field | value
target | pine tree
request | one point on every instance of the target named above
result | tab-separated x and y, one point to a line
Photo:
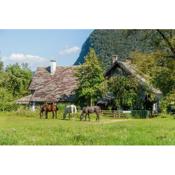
90	76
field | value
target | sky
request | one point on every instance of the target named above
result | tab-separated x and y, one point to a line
38	47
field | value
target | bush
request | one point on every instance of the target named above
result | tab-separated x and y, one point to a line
140	113
61	106
165	115
26	113
168	101
8	106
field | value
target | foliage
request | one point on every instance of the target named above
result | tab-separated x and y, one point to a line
90	76
158	68
169	99
1	65
149	60
18	79
14	84
6	100
123	42
140	113
124	89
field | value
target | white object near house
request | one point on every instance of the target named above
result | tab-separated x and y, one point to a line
53	66
33	106
155	108
114	58
127	112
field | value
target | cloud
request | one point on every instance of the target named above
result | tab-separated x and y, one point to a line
32	60
69	50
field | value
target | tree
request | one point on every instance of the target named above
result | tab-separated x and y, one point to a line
123	42
1	65
5	99
158	68
124	90
168	41
90	76
14	83
19	78
168	100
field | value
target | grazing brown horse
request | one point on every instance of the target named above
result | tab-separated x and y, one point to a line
86	111
49	108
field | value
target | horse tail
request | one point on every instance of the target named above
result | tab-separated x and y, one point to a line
75	109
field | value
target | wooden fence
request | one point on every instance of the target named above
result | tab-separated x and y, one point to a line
115	113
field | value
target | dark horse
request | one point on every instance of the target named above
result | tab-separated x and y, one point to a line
86	111
49	108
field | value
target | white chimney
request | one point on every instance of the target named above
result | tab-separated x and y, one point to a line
53	66
114	58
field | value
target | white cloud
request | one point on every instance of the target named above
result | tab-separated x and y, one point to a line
32	60
69	50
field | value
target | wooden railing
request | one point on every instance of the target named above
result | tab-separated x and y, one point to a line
114	113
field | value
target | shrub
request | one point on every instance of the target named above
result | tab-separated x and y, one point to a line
8	106
140	113
167	101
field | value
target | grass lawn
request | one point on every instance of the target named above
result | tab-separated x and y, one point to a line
28	129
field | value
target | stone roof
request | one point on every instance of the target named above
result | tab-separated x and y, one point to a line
57	87
24	100
131	70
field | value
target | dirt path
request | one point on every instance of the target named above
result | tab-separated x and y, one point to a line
114	121
108	121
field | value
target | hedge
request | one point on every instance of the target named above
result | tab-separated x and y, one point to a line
140	113
8	106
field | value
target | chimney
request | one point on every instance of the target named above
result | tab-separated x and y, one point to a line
114	58
53	66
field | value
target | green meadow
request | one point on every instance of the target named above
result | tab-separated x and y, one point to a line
26	128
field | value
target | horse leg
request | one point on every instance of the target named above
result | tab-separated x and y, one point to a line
85	116
41	113
46	114
53	115
89	116
56	114
64	116
69	116
97	118
81	116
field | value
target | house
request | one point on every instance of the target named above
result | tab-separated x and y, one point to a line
58	84
125	68
51	84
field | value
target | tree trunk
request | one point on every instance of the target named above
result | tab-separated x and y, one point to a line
91	101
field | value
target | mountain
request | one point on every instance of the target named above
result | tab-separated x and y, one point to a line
122	43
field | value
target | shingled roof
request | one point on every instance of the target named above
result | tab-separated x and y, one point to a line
57	87
24	100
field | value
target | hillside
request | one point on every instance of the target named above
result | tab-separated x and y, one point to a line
121	42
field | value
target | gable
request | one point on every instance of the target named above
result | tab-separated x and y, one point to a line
125	68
